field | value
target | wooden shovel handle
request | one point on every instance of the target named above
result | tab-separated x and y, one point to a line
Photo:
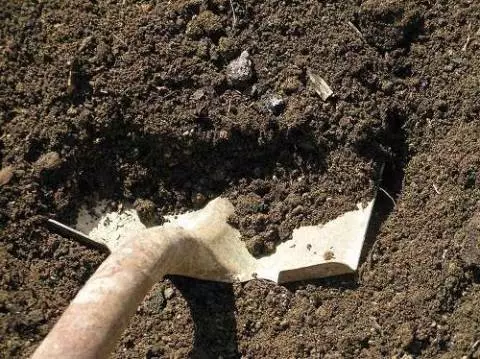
100	312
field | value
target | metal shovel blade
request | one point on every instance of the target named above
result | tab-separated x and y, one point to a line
216	252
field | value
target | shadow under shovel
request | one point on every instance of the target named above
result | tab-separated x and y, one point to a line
212	307
212	304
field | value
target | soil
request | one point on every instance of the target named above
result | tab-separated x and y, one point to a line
131	102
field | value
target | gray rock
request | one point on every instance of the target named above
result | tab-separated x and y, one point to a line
146	210
168	293
275	104
197	95
156	302
240	70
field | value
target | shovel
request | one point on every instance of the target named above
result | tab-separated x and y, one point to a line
201	245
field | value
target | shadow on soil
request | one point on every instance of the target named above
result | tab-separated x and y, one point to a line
170	169
212	306
390	185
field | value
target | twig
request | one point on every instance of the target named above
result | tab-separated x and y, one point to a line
120	40
70	77
78	236
356	30
435	188
170	94
464	48
233	13
388	195
475	345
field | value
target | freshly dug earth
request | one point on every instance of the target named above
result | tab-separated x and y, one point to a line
133	102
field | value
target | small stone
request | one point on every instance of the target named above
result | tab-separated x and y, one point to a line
6	175
203	50
254	91
297	210
405	335
197	95
48	161
206	23
280	325
294	200
104	54
240	70
86	42
146	7
156	351
328	255
387	87
223	135
146	210
157	301
275	104
227	47
291	85
168	293
256	246
36	316
198	200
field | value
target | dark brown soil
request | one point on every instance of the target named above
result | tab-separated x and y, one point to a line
130	101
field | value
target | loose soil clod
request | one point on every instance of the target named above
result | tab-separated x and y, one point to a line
48	161
6	174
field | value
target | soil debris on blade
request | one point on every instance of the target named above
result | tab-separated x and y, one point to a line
292	260
108	228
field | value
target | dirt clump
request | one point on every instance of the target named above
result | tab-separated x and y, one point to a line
147	212
390	25
48	161
206	23
6	174
468	241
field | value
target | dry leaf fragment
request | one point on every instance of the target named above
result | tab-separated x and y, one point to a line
320	86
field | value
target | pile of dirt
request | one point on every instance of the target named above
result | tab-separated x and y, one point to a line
139	102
